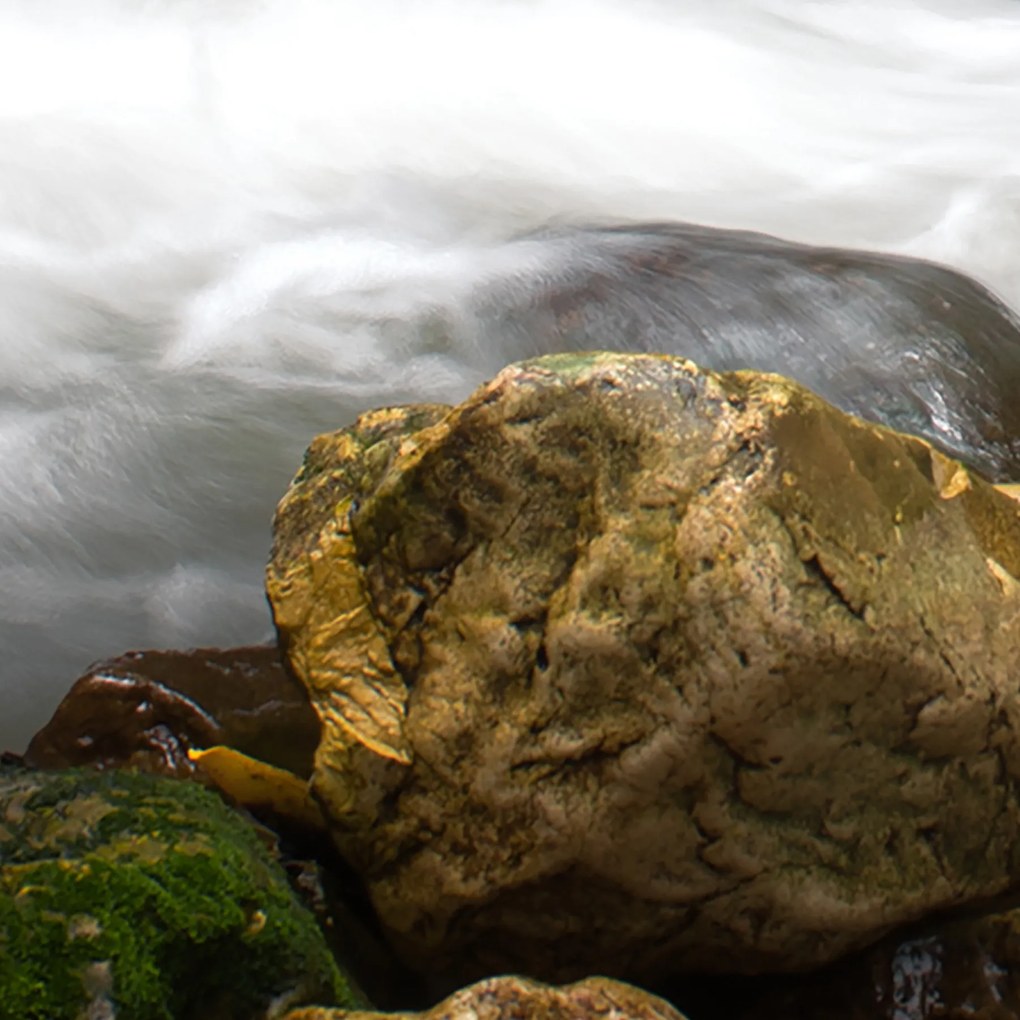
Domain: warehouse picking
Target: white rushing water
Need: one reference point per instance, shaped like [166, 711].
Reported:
[226, 225]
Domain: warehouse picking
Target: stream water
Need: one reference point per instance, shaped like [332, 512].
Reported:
[226, 225]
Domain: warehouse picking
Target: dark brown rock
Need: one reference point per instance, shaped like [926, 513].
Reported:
[516, 998]
[967, 969]
[146, 709]
[632, 668]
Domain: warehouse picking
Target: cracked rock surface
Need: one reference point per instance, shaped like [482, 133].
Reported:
[632, 668]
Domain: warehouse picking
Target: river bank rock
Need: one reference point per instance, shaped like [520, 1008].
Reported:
[148, 709]
[123, 894]
[628, 667]
[511, 998]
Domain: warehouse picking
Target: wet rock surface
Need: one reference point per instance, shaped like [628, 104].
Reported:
[124, 894]
[146, 709]
[626, 666]
[956, 969]
[906, 343]
[512, 998]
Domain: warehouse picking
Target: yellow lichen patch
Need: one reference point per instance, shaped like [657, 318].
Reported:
[342, 659]
[141, 848]
[89, 810]
[1012, 490]
[76, 818]
[950, 476]
[256, 785]
[194, 846]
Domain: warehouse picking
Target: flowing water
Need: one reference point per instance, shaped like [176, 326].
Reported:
[226, 225]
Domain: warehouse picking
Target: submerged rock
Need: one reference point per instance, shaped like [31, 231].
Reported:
[134, 896]
[631, 668]
[513, 998]
[900, 341]
[147, 709]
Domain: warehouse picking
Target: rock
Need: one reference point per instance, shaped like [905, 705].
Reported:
[630, 668]
[965, 969]
[511, 998]
[124, 894]
[900, 341]
[155, 710]
[147, 709]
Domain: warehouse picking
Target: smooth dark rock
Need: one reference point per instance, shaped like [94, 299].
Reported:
[146, 709]
[900, 341]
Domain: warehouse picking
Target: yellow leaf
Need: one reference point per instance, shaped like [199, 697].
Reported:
[256, 784]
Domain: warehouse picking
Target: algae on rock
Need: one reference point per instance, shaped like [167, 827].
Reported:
[631, 667]
[128, 895]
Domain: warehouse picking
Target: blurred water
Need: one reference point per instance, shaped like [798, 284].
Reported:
[227, 225]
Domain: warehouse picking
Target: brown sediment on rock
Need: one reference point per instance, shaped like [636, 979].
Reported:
[511, 998]
[147, 709]
[626, 665]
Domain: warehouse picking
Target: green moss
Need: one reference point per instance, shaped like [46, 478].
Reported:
[148, 895]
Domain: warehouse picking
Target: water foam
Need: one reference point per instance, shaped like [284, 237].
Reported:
[224, 227]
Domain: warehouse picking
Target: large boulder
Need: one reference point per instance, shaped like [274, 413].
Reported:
[130, 895]
[628, 667]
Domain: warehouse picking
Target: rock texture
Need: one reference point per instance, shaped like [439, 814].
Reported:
[513, 998]
[147, 709]
[628, 667]
[963, 969]
[135, 896]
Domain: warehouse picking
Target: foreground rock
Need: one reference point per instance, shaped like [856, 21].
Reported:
[626, 667]
[511, 998]
[147, 709]
[129, 895]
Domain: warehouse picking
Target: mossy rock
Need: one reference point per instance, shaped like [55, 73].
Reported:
[127, 895]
